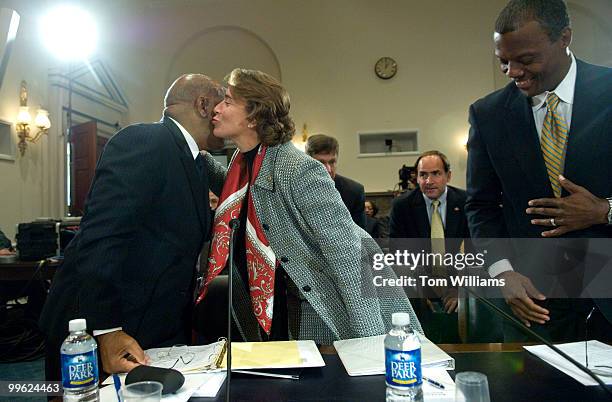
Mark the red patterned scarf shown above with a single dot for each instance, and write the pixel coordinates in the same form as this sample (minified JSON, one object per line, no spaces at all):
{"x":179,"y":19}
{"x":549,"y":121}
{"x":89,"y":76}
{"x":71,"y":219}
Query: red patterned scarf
{"x":261,"y":261}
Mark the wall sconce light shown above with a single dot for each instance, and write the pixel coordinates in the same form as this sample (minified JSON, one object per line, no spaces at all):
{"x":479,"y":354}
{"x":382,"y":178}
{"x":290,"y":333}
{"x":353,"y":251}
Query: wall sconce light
{"x":300,"y":140}
{"x":304,"y":133}
{"x":24,"y":120}
{"x":463,"y":140}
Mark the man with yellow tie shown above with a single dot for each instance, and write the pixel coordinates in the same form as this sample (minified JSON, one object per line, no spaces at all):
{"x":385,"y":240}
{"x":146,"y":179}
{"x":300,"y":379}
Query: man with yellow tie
{"x":433,"y":214}
{"x":540,"y":160}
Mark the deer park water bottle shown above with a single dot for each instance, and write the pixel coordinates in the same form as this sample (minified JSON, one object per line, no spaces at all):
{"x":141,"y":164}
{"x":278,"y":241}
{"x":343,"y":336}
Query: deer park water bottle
{"x":79,"y":361}
{"x":403,"y":361}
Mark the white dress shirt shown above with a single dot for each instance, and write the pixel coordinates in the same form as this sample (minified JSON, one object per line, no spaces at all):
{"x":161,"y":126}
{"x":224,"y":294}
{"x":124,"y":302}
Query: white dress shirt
{"x":441,"y":207}
{"x":193,"y":147}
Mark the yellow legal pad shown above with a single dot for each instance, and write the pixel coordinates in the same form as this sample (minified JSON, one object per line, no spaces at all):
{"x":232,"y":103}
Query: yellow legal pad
{"x":254,"y":355}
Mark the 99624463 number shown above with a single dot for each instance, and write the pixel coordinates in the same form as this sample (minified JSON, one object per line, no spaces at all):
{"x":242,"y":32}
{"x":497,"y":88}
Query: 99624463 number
{"x":14,"y":388}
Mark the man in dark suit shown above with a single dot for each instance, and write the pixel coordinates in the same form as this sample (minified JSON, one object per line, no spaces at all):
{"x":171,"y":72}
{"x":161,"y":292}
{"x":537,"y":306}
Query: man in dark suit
{"x":540,"y":148}
{"x":325,"y":149}
{"x":130,"y":270}
{"x":413,"y":216}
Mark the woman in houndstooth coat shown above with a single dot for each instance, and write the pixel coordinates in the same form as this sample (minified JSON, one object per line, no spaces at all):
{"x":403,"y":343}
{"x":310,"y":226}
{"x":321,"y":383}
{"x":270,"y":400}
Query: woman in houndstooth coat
{"x":300,"y":225}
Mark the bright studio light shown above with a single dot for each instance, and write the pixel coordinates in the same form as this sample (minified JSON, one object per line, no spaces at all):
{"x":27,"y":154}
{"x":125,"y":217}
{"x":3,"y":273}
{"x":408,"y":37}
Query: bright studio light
{"x":69,"y":33}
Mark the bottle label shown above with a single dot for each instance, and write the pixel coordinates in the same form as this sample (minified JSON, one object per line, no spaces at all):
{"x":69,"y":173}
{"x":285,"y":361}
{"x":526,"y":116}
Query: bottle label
{"x":79,"y":370}
{"x":403,"y":368}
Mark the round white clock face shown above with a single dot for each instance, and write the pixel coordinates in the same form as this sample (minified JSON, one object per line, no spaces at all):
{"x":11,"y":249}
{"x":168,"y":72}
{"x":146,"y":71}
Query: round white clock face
{"x":385,"y":68}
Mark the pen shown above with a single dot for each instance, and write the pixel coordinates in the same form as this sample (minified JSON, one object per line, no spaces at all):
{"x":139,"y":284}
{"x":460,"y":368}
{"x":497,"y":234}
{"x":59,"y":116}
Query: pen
{"x":117,"y":382}
{"x":436,"y":384}
{"x":264,"y":374}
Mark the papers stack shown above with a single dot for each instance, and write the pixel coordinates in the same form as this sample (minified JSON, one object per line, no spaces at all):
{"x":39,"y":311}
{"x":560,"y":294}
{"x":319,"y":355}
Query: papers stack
{"x":204,"y":385}
{"x":600,"y":360}
{"x":204,"y":365}
{"x":366,"y":356}
{"x":188,"y":359}
{"x":245,"y":355}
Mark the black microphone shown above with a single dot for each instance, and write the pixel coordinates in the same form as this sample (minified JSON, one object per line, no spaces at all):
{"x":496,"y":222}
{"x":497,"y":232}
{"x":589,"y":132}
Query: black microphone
{"x":172,"y":380}
{"x":234,"y":224}
{"x":538,"y":337}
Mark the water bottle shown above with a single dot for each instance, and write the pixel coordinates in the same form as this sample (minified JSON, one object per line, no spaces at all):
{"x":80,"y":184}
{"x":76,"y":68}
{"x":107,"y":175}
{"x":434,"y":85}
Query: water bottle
{"x":403,"y":361}
{"x":79,"y":364}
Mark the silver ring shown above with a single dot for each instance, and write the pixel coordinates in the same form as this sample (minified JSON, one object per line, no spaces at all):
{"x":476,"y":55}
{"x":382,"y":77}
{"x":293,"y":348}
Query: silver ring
{"x":552,"y":222}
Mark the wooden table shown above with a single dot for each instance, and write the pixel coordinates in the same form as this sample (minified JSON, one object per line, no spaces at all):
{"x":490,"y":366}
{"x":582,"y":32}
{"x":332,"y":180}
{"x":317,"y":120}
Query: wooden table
{"x":26,"y":270}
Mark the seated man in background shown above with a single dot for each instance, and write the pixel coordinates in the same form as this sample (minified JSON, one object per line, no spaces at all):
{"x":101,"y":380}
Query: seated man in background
{"x":374,"y":226}
{"x":325,"y":149}
{"x":377,"y":227}
{"x":433,"y":211}
{"x":213,"y":201}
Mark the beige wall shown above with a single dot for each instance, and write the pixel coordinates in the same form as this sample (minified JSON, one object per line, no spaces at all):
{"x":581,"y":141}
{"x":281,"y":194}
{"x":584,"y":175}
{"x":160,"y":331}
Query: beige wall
{"x":21,"y":180}
{"x":324,"y":50}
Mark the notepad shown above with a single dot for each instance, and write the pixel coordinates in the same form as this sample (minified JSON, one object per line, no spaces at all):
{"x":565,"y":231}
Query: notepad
{"x":366,"y":356}
{"x":265,"y":354}
{"x":275,"y":355}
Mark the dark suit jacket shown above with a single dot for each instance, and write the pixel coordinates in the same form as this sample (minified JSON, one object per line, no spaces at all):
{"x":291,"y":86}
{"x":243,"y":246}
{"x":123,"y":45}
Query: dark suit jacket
{"x":353,"y":196}
{"x":132,"y":263}
{"x":373,"y":227}
{"x":505,"y":164}
{"x":409,"y":218}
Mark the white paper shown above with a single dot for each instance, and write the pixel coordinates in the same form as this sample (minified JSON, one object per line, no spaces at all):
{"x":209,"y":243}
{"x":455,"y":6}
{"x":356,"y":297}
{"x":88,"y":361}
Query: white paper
{"x":311,"y":357}
{"x":197,"y":385}
{"x":366,"y":356}
{"x":210,"y":388}
{"x":189,"y":359}
{"x":433,"y":394}
{"x":599,"y":354}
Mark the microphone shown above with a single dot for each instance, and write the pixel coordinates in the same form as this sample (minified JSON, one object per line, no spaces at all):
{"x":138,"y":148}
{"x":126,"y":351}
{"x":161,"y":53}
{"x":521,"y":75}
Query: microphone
{"x":538,"y":337}
{"x":234,"y":224}
{"x":172,"y":380}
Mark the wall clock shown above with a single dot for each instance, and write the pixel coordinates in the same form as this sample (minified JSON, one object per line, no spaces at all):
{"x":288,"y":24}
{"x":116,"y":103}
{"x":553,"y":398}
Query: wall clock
{"x":385,"y":68}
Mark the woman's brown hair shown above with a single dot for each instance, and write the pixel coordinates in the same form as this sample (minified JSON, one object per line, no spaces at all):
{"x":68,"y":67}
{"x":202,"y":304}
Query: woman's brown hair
{"x":267,"y":104}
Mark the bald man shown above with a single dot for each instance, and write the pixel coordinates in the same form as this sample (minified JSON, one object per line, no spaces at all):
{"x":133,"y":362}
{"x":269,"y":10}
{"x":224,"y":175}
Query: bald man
{"x":130,"y":270}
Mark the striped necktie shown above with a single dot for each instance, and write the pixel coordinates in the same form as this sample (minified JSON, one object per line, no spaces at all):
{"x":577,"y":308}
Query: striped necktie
{"x":553,"y":142}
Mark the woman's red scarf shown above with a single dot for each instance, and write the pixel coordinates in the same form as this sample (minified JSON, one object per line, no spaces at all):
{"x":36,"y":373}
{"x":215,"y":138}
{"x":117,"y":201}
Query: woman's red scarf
{"x":261,"y":261}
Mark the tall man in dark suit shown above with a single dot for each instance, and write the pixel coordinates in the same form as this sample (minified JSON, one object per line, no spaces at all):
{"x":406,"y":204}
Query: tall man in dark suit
{"x":130,"y":270}
{"x":541,"y":149}
{"x":325,"y":149}
{"x":434,"y":210}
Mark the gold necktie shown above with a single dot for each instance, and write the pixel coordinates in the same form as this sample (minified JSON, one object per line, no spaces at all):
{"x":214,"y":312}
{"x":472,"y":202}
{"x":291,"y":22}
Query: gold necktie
{"x":553,"y":141}
{"x":437,"y":237}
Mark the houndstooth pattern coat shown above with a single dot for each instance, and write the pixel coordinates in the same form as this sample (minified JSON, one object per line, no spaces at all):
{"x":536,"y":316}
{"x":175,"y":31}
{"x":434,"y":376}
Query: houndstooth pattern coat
{"x":327,"y":257}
